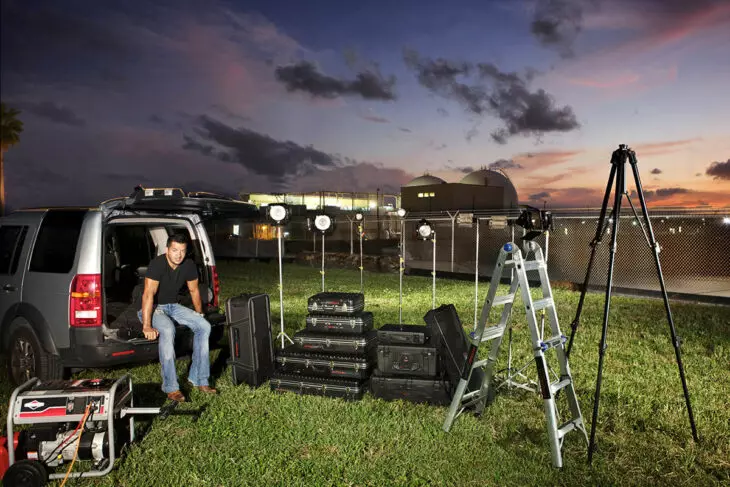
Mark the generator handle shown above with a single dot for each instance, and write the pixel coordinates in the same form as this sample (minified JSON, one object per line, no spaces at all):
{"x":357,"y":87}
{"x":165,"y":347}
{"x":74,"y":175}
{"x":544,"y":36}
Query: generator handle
{"x":11,"y":407}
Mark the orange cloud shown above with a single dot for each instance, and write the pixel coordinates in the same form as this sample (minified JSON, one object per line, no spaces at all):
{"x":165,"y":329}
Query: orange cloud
{"x":660,"y":148}
{"x":539,"y":160}
{"x":617,"y":82}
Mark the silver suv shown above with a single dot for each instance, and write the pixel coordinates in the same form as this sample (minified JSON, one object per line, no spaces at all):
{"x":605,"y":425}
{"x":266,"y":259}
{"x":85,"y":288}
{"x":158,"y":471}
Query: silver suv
{"x":71,"y":279}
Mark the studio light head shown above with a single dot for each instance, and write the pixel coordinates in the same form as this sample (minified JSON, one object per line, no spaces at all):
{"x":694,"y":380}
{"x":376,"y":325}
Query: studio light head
{"x":278,"y":213}
{"x":401,"y":212}
{"x":535,"y":221}
{"x":424,"y":230}
{"x":358,"y":217}
{"x":324,"y":224}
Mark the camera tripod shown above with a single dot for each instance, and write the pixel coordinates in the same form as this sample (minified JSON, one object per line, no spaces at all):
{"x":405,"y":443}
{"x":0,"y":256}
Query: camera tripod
{"x":618,"y":174}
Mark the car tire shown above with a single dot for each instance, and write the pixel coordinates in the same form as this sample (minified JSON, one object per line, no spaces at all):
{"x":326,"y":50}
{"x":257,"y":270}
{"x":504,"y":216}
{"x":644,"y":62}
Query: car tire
{"x":28,"y":359}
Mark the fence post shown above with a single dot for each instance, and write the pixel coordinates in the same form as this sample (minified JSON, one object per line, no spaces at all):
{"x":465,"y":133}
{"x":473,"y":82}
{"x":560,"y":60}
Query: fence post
{"x":352,"y":251}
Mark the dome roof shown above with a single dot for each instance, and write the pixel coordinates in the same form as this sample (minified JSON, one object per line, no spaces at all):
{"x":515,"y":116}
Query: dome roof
{"x":486,"y":177}
{"x":425,"y":180}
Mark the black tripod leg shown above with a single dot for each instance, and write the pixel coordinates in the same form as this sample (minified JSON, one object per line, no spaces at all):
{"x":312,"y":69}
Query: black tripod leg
{"x":609,"y":284}
{"x":600,"y":230}
{"x":675,"y":340}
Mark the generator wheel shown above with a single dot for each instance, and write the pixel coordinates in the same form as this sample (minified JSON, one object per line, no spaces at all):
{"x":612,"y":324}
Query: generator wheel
{"x":26,"y":473}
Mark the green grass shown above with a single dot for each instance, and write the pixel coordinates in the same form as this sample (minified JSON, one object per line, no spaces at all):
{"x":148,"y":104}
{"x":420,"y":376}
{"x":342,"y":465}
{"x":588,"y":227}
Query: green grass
{"x":255,"y":437}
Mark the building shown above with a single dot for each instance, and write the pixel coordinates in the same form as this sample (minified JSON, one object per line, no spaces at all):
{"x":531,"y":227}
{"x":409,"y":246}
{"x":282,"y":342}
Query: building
{"x":484,"y":189}
{"x":348,"y":201}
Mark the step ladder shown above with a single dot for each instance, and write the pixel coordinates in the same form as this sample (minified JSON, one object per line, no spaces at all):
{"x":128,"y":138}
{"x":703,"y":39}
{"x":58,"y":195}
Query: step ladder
{"x":510,"y":257}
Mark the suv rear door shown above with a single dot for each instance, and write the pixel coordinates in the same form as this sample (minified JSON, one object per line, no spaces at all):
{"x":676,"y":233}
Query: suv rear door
{"x":16,"y":236}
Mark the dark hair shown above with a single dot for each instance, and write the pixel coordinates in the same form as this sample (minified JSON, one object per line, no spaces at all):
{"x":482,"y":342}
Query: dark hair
{"x":178,"y":238}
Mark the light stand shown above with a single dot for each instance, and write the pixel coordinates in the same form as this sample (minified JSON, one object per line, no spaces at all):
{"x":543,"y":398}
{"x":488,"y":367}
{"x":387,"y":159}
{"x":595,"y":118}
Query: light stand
{"x":618,"y":174}
{"x":280,"y":215}
{"x":359,"y":219}
{"x":425,"y":231}
{"x":401,"y":263}
{"x":324,"y":224}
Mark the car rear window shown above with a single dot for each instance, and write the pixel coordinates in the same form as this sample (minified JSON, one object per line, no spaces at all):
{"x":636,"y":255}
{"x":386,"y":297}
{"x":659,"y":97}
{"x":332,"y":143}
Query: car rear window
{"x":58,"y":237}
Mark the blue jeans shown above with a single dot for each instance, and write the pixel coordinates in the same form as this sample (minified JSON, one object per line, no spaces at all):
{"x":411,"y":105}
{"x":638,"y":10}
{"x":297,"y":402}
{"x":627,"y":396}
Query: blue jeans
{"x":200,"y":366}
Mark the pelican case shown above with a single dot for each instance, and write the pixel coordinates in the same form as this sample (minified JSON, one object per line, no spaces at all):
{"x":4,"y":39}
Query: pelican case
{"x":334,"y":342}
{"x":249,"y":336}
{"x":436,"y":391}
{"x":293,"y":360}
{"x":412,"y":360}
{"x":343,"y":304}
{"x":348,"y":389}
{"x":403,"y":334}
{"x":351,"y":325}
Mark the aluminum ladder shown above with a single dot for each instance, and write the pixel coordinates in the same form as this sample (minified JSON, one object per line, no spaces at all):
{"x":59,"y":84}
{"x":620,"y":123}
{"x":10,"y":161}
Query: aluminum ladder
{"x":510,"y":257}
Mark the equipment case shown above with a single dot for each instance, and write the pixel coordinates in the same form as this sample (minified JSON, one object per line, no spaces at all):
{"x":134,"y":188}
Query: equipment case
{"x":249,"y":337}
{"x":355,"y":324}
{"x":333,"y":303}
{"x":348,"y":389}
{"x":450,"y":340}
{"x":434,"y":391}
{"x":410,"y":360}
{"x":403,"y":334}
{"x":335,"y":343}
{"x":293,"y":360}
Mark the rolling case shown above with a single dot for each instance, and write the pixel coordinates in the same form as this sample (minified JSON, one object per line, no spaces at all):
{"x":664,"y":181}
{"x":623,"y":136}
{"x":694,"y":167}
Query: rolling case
{"x":434,"y":391}
{"x":335,"y":343}
{"x":249,"y":337}
{"x":332,"y":303}
{"x":403,"y":334}
{"x":355,"y":324}
{"x":348,"y":389}
{"x":293,"y":360}
{"x":412,"y":360}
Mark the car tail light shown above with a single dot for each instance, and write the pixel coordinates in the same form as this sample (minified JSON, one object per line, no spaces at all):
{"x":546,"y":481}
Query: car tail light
{"x":85,"y":301}
{"x":216,"y":286}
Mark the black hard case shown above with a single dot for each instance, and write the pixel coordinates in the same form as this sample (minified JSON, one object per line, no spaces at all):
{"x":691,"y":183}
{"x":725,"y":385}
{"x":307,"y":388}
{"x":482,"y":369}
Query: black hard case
{"x":436,"y":391}
{"x":404,"y":334}
{"x":353,"y":325}
{"x":348,"y":389}
{"x":249,"y":336}
{"x":412,"y":360}
{"x":333,"y":303}
{"x":334,"y":342}
{"x":449,"y":338}
{"x":293,"y":360}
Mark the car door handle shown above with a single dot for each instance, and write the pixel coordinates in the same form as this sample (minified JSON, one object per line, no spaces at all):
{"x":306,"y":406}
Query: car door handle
{"x":8,"y":288}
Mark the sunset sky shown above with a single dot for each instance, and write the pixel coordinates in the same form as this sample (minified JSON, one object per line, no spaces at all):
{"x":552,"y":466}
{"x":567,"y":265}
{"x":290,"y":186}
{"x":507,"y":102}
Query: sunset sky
{"x":258,"y":96}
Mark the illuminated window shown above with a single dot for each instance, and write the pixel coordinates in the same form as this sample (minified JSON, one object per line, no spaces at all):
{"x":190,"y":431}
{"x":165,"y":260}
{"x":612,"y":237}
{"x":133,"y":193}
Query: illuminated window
{"x":420,"y":195}
{"x":432,"y":195}
{"x":237,"y":230}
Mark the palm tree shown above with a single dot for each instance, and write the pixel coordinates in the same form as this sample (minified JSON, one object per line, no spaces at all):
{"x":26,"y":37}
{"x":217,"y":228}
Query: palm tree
{"x":10,"y":129}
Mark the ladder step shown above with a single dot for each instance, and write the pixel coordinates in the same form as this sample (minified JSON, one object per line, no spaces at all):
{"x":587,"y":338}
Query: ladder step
{"x":542,"y":304}
{"x":562,"y":384}
{"x":567,"y":427}
{"x":502,"y":300}
{"x":553,"y":342}
{"x":480,"y":363}
{"x":491,"y":333}
{"x":534,"y":265}
{"x":470,"y":395}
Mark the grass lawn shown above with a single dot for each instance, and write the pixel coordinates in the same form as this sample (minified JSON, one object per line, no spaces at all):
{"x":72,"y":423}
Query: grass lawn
{"x":255,"y":437}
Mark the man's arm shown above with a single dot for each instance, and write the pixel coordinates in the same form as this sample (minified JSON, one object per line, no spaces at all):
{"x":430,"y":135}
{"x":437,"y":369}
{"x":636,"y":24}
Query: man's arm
{"x":195,"y":295}
{"x":148,"y":299}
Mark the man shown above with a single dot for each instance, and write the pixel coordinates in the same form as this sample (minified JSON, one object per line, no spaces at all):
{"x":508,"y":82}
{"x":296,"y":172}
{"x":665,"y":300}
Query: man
{"x":166,"y":275}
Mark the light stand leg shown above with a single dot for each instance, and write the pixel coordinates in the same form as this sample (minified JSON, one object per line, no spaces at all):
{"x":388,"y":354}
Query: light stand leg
{"x":619,"y":160}
{"x":322,"y":271}
{"x":655,"y":247}
{"x":282,"y":334}
{"x":600,"y":231}
{"x":362,"y":288}
{"x":401,"y":268}
{"x":433,"y":272}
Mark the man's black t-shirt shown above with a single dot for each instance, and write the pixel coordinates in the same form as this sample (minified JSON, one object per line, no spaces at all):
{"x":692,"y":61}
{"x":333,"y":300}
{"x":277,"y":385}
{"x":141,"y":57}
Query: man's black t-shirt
{"x":171,"y":280}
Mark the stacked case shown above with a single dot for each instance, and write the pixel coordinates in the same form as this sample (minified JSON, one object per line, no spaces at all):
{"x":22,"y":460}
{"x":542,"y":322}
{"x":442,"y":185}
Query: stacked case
{"x":409,"y":366}
{"x":333,"y":356}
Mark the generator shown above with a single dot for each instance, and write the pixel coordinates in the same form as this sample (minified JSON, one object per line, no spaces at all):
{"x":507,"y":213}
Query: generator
{"x":85,"y":420}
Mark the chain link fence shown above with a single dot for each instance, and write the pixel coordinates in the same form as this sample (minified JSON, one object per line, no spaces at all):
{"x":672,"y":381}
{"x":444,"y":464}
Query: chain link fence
{"x":694,"y":259}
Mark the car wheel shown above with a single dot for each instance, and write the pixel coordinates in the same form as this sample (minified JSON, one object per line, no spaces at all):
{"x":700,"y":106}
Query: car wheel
{"x":27,"y":359}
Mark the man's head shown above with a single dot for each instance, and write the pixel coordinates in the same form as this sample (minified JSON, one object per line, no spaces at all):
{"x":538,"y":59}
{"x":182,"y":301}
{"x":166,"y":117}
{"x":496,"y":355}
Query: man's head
{"x":177,"y":246}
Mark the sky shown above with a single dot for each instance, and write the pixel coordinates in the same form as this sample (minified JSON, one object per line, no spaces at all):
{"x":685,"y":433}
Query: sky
{"x":272,"y":96}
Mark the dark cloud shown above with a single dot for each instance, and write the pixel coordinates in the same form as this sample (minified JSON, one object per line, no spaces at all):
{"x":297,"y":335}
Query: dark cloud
{"x":505,"y":164}
{"x":557,"y":23}
{"x":492,"y":92}
{"x":374,"y":119}
{"x":539,"y":196}
{"x":656,"y":170}
{"x":719,"y":170}
{"x":660,"y":193}
{"x":441,"y":147}
{"x":280,"y":161}
{"x":463,"y":169}
{"x":156,"y":119}
{"x":442,"y":112}
{"x":403,"y":129}
{"x":53,"y":112}
{"x":304,"y":76}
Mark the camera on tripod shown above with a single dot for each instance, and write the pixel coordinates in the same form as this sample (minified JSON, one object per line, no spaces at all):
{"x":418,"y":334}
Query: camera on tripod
{"x":535,"y":222}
